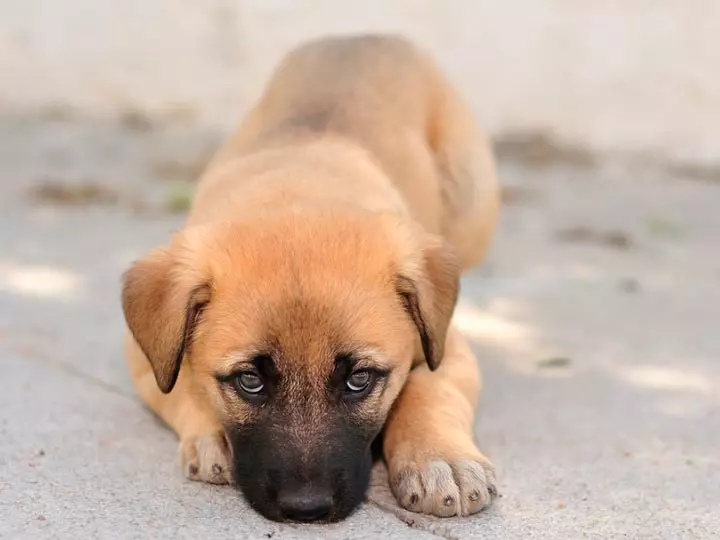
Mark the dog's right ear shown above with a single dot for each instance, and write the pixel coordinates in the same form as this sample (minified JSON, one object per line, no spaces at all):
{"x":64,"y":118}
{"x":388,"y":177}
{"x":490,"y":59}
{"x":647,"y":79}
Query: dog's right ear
{"x":161,"y":303}
{"x":430,"y":297}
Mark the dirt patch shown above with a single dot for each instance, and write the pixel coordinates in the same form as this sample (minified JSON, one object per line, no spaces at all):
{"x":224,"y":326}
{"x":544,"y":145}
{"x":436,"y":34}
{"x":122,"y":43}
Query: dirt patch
{"x":663,"y":227}
{"x":518,"y":195}
{"x":73,"y":194}
{"x":541,"y":150}
{"x":554,"y":362}
{"x":630,"y":285}
{"x":582,"y":234}
{"x":176,"y":199}
{"x":179,"y":198}
{"x":136,"y":121}
{"x":692,"y":171}
{"x":182,"y":170}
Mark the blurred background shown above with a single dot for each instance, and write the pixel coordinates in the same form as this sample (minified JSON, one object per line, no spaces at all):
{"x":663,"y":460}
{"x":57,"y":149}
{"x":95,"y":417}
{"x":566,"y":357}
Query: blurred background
{"x":636,"y":77}
{"x":595,"y":316}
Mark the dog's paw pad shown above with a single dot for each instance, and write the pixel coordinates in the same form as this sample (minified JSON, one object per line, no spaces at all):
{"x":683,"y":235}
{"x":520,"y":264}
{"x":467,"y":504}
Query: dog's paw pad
{"x":445,"y":487}
{"x":206,"y":458}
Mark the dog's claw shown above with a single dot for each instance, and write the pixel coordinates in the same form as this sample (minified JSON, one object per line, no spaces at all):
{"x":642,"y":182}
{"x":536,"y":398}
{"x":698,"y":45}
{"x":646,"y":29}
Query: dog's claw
{"x":206,"y":458}
{"x":449,"y":487}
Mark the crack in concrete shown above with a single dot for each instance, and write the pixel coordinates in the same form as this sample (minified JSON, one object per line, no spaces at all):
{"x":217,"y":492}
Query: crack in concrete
{"x":72,"y":371}
{"x":414,"y":521}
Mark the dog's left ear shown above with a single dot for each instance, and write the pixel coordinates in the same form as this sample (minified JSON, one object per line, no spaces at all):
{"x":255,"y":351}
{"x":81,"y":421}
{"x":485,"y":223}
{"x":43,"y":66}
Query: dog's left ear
{"x":430,"y":297}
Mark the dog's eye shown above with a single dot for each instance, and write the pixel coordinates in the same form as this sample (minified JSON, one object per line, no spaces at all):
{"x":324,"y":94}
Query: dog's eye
{"x":358,"y":381}
{"x":250,"y":383}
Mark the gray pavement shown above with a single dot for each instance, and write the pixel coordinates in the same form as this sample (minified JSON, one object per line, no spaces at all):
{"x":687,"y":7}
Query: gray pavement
{"x":595,"y":318}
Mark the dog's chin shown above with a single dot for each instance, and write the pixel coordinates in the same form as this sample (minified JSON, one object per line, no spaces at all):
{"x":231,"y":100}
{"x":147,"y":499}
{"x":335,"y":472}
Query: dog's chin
{"x":349,"y":489}
{"x":270,"y":510}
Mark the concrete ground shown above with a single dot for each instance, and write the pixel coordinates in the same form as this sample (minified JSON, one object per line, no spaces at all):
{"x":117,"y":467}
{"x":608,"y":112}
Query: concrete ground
{"x":595,"y":318}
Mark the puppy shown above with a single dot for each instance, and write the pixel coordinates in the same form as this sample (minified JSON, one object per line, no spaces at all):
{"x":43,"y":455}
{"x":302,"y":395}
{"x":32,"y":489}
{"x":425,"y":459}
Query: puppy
{"x":305,"y":306}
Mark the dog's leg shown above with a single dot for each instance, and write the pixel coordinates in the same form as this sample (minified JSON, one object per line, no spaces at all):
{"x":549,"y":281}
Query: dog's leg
{"x":433,"y":463}
{"x":203,"y":451}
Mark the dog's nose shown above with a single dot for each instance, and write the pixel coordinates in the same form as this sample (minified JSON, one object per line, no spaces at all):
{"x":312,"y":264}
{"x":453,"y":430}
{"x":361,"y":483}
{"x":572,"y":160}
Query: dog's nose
{"x":306,"y":504}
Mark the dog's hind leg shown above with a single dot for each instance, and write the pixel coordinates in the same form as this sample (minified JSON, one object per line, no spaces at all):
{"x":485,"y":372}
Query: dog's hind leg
{"x":469,"y":186}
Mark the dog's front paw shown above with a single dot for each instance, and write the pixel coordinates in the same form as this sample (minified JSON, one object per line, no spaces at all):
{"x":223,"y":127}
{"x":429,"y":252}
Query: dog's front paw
{"x":206,"y":458}
{"x":443,"y":484}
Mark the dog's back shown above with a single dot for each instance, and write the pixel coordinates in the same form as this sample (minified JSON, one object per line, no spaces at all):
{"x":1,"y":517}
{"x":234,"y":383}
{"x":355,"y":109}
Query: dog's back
{"x":386,"y":96}
{"x":355,"y":86}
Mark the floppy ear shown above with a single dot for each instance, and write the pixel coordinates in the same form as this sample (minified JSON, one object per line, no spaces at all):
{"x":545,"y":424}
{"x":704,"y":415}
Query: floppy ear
{"x":430,"y":298}
{"x":161,"y":305}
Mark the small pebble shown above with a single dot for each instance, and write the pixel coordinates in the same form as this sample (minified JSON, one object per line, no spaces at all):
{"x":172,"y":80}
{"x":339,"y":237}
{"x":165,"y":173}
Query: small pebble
{"x":554,"y":362}
{"x":137,"y":121}
{"x":618,"y":240}
{"x":630,"y":285}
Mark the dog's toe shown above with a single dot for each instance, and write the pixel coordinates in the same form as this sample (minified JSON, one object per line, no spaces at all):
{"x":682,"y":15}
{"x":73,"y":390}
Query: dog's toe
{"x":205,"y":458}
{"x":445,"y":487}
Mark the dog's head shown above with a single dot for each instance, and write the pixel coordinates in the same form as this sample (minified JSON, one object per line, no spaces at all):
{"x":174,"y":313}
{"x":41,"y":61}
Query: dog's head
{"x":299,"y":331}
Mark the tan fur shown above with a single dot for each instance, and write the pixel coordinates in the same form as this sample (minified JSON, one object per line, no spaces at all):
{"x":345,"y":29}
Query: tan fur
{"x":359,"y":160}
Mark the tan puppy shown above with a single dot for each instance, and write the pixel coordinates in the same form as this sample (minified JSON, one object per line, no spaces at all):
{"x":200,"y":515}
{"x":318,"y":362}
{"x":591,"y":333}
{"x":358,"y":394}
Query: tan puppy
{"x":306,"y":304}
